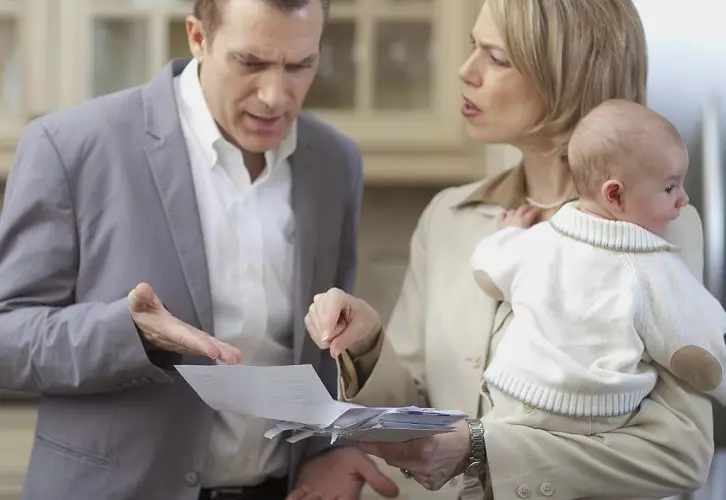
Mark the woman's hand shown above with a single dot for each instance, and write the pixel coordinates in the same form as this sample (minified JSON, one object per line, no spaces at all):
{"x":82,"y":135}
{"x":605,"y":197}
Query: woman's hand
{"x":431,"y":461}
{"x":340,"y":321}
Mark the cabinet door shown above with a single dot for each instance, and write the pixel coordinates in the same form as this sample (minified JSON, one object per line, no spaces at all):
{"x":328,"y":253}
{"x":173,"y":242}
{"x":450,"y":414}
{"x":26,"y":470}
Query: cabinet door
{"x":25,"y":52}
{"x":118,"y":43}
{"x":11,"y":70}
{"x":389,"y":73}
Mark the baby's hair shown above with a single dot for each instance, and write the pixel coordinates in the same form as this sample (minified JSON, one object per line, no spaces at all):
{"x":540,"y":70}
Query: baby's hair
{"x":613,"y":138}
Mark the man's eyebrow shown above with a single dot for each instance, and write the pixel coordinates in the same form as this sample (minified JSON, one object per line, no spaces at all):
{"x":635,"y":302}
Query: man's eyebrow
{"x":308,"y":60}
{"x":251,"y":58}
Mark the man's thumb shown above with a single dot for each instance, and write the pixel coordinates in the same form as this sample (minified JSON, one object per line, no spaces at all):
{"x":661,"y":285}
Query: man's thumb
{"x":381,"y":483}
{"x":142,"y":297}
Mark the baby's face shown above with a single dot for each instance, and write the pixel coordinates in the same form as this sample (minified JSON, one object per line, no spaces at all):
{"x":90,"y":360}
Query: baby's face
{"x":656,"y":195}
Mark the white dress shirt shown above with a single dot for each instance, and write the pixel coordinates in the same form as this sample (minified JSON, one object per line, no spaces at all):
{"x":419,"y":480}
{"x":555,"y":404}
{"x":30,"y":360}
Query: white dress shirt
{"x":249,"y":238}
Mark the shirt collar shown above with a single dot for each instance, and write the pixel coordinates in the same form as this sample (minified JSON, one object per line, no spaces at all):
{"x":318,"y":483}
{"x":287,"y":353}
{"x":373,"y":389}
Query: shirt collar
{"x":507,"y":190}
{"x":203,"y":126}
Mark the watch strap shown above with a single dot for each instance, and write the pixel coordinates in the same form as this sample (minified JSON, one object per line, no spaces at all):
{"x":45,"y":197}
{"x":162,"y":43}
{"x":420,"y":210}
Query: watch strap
{"x":478,"y":456}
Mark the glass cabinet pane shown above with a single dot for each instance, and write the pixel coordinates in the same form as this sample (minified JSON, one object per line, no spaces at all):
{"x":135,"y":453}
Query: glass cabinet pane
{"x":403,"y":66}
{"x":10,"y":69}
{"x":119,"y":48}
{"x":334,"y":85}
{"x":177,"y":43}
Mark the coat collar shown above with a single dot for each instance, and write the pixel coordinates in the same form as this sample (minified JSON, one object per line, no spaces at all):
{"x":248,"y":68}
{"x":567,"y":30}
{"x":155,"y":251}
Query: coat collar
{"x":506,"y":190}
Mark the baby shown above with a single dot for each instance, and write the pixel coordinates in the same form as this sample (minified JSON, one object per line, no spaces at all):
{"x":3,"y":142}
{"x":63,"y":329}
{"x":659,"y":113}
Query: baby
{"x":598,"y":294}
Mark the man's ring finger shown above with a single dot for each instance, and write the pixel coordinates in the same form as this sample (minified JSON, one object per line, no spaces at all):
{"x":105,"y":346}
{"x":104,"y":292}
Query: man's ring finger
{"x":406,"y":473}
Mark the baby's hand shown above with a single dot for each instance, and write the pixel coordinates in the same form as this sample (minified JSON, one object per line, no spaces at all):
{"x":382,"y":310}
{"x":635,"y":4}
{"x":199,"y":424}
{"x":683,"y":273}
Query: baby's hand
{"x":523,"y":217}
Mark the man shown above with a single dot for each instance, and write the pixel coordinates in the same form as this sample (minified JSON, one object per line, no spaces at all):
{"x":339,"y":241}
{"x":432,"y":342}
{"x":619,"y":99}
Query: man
{"x":202,"y":196}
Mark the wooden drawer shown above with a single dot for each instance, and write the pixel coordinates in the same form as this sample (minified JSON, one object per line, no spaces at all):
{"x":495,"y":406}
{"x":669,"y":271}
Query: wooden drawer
{"x":17,"y":428}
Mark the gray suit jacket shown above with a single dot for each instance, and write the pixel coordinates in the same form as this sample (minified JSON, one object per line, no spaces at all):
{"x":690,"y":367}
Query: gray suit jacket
{"x":99,"y":199}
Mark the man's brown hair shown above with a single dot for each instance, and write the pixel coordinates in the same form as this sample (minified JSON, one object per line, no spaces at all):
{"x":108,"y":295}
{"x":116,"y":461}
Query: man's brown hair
{"x":210,"y":11}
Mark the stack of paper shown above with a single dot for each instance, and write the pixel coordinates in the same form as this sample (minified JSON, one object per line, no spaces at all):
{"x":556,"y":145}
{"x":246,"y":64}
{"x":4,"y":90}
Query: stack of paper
{"x":296,"y":398}
{"x":379,"y":425}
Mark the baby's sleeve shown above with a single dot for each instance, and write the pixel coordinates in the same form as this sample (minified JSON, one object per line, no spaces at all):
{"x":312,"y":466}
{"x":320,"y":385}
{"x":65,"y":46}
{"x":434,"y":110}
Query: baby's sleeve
{"x":684,"y":326}
{"x":495,"y":262}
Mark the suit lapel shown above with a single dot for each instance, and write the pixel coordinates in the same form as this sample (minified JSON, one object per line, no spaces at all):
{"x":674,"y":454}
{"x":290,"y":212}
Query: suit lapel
{"x":171,"y":170}
{"x":305,"y":164}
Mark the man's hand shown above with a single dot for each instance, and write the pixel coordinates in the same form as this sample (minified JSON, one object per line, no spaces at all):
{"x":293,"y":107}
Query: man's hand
{"x":432,"y":461}
{"x":523,"y":217}
{"x":160,"y":328}
{"x":340,"y":474}
{"x":340,"y":321}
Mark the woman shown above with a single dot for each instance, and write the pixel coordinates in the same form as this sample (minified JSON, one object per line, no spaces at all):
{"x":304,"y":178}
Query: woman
{"x":536,"y":68}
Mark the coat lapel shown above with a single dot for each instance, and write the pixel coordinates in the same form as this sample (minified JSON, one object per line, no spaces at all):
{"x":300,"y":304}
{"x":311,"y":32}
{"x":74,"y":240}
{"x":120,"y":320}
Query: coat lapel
{"x":171,"y":170}
{"x":305,"y":164}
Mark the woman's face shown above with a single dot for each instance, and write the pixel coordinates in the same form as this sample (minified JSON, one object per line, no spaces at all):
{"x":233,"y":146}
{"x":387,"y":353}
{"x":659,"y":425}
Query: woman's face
{"x":499,"y":105}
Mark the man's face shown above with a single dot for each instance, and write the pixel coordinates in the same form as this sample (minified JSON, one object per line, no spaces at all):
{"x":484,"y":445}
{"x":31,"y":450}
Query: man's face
{"x":258,"y":68}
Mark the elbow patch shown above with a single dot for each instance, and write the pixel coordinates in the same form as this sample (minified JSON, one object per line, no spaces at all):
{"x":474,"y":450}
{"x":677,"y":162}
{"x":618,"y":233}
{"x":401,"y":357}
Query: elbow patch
{"x":698,"y":367}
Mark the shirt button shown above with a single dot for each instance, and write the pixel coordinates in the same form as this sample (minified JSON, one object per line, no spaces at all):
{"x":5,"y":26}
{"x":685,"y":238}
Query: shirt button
{"x":528,"y":408}
{"x":191,"y":478}
{"x":524,"y":492}
{"x":547,"y":490}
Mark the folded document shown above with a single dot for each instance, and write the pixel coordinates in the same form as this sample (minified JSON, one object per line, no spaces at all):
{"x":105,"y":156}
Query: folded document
{"x":296,"y":398}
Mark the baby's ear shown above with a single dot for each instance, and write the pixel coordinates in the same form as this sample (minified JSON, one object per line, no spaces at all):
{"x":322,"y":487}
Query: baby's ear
{"x":612,"y":192}
{"x":698,"y":367}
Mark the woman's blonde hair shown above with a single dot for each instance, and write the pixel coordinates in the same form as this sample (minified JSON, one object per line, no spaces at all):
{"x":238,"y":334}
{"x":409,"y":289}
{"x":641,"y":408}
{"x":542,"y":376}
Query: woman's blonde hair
{"x":577,"y":53}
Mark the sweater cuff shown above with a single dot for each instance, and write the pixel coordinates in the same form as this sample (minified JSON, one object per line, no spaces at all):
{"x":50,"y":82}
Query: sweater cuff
{"x":354,"y":372}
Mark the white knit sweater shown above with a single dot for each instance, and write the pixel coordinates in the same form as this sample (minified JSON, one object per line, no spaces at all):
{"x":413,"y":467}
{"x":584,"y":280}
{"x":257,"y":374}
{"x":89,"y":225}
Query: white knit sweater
{"x":595,"y":302}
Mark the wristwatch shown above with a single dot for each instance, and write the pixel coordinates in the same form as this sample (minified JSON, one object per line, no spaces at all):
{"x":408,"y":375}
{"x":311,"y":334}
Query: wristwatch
{"x":475,"y":465}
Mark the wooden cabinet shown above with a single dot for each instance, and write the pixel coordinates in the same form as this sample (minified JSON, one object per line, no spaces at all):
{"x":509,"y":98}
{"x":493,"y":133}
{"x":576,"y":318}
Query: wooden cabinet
{"x":17,"y":428}
{"x":388,"y":72}
{"x":24,"y":65}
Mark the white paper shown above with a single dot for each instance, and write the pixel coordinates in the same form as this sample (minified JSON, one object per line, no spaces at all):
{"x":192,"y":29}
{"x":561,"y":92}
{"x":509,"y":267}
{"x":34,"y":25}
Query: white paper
{"x":287,"y":393}
{"x":296,"y":398}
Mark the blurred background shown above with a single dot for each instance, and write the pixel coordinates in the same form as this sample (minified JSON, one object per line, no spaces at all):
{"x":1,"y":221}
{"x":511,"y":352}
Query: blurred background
{"x":388,"y":77}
